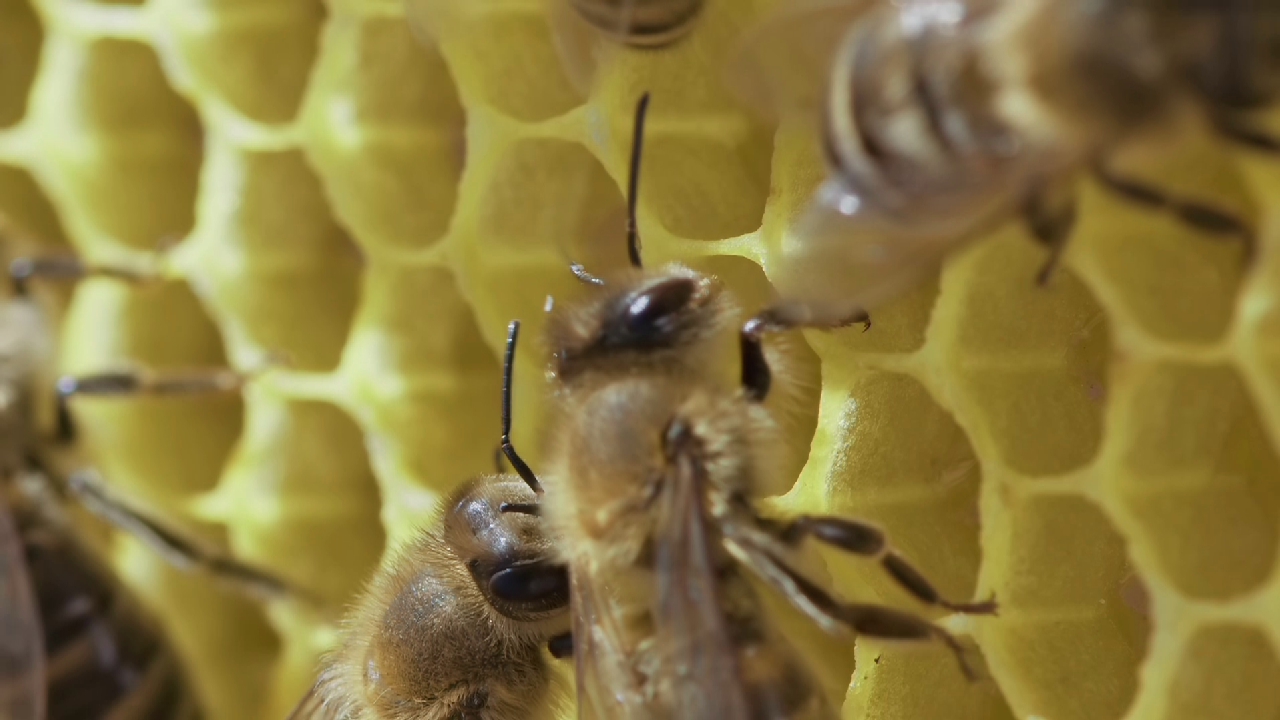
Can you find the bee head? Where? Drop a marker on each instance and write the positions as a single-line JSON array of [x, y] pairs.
[[654, 318], [507, 552]]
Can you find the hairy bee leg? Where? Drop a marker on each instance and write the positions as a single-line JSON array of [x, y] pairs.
[[1050, 221], [873, 620], [178, 550], [756, 375], [561, 646], [143, 382], [867, 540], [1201, 217], [508, 371], [1246, 135]]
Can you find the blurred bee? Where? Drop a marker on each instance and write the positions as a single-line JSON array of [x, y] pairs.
[[454, 625], [653, 464], [74, 642], [580, 26], [942, 118]]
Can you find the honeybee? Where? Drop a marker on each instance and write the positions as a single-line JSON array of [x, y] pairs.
[[653, 464], [942, 118], [454, 625], [74, 642]]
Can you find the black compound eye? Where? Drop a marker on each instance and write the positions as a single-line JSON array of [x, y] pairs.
[[649, 307], [537, 585]]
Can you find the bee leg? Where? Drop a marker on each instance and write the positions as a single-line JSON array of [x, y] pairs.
[[561, 646], [139, 382], [872, 620], [1051, 219], [508, 370], [180, 551], [867, 540], [1246, 135], [756, 376], [67, 267], [1199, 216]]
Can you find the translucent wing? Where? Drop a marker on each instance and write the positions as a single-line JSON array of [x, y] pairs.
[[313, 707], [22, 685], [429, 19], [697, 660], [608, 687], [783, 63], [582, 28], [578, 44], [845, 254]]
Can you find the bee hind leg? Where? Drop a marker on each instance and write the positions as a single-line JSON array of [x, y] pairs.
[[180, 551], [1194, 214], [867, 540], [871, 620]]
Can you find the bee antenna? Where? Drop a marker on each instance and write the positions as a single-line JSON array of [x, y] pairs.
[[633, 182], [508, 370]]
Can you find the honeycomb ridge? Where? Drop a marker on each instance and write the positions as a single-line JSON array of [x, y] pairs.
[[1100, 455]]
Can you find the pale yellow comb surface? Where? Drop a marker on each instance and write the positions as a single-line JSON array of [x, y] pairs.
[[1099, 455]]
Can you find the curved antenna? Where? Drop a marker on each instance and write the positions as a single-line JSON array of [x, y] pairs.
[[633, 181], [508, 370]]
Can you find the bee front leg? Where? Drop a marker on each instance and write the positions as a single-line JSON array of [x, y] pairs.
[[867, 540], [756, 375], [180, 551], [561, 646]]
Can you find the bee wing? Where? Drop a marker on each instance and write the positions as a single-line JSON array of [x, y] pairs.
[[607, 686], [22, 673], [783, 63], [577, 43], [428, 18], [701, 665], [843, 254], [312, 707]]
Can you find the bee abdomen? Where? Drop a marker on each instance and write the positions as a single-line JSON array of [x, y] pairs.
[[651, 23]]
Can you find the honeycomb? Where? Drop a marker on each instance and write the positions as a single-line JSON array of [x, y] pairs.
[[1100, 454]]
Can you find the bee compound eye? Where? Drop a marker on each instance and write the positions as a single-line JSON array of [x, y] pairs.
[[539, 585]]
